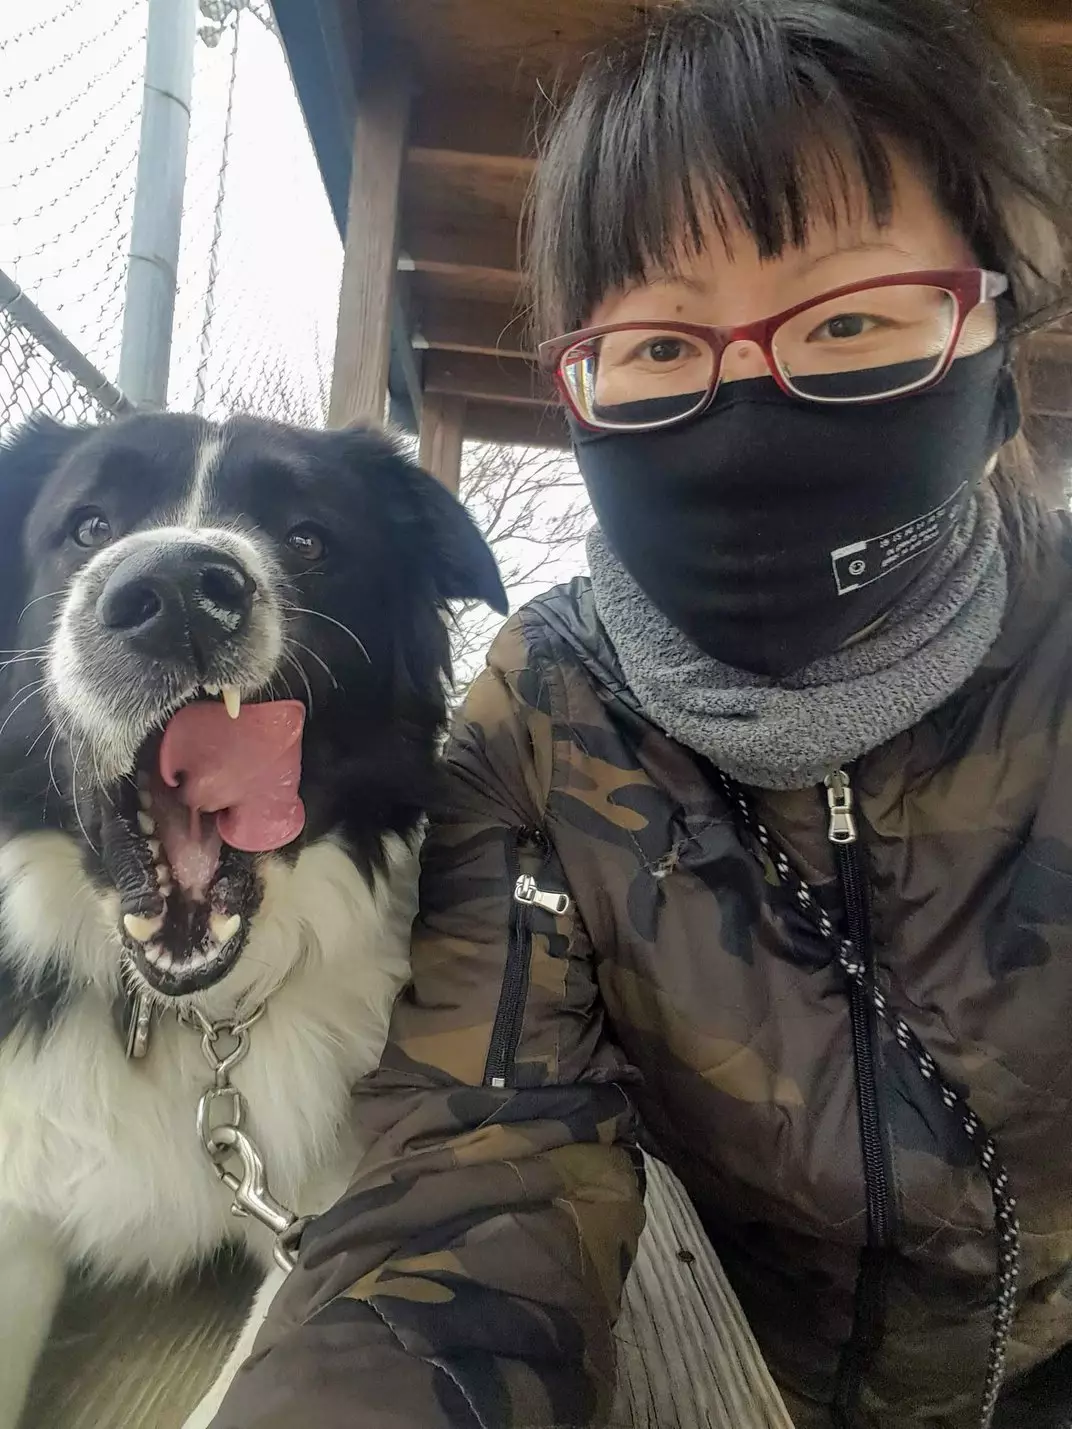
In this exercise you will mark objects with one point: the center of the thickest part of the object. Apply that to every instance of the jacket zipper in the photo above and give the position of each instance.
(510, 1014)
(870, 1289)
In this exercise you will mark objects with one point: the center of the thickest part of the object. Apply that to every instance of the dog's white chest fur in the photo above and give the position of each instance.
(105, 1150)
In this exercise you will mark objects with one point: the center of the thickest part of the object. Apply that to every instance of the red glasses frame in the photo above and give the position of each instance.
(970, 287)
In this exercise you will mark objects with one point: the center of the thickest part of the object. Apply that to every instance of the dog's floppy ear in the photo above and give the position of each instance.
(27, 458)
(430, 518)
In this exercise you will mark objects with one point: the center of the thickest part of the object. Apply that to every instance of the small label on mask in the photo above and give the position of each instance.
(867, 561)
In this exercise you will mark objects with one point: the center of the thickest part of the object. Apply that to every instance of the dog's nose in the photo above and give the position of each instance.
(177, 600)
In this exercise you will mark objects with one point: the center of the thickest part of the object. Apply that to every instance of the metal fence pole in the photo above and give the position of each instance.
(100, 395)
(149, 309)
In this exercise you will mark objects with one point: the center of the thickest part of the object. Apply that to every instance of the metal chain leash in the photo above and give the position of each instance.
(849, 961)
(221, 1129)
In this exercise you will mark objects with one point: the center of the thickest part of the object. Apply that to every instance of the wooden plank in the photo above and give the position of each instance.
(1052, 345)
(442, 428)
(516, 426)
(465, 325)
(502, 379)
(1043, 32)
(686, 1355)
(495, 122)
(1049, 389)
(492, 248)
(362, 346)
(473, 165)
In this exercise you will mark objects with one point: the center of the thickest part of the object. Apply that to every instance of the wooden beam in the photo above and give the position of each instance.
(473, 119)
(502, 379)
(1043, 32)
(461, 162)
(442, 426)
(1049, 390)
(366, 299)
(1051, 345)
(514, 426)
(493, 248)
(460, 325)
(463, 264)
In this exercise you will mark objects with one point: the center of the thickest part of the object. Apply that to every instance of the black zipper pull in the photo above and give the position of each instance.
(528, 893)
(842, 827)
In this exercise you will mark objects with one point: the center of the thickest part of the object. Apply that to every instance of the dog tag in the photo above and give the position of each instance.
(137, 1024)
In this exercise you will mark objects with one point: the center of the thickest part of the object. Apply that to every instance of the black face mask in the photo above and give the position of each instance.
(772, 530)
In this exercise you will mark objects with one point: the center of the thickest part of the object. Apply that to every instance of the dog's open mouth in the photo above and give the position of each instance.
(217, 787)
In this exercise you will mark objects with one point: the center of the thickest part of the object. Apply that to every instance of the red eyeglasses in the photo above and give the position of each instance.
(865, 342)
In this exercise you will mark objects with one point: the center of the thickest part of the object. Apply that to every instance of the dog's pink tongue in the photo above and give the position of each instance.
(245, 771)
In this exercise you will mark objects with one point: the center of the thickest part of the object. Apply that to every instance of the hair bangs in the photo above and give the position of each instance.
(768, 116)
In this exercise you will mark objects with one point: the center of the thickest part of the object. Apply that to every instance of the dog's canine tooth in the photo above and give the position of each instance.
(222, 928)
(142, 929)
(146, 823)
(232, 700)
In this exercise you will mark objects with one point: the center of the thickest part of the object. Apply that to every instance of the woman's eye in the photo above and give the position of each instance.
(92, 530)
(664, 349)
(307, 542)
(845, 325)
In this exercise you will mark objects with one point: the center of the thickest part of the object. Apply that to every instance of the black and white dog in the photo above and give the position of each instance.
(222, 687)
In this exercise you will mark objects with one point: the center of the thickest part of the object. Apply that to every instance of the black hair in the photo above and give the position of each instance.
(769, 109)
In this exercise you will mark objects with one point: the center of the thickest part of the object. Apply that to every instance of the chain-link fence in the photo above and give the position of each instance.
(41, 371)
(260, 258)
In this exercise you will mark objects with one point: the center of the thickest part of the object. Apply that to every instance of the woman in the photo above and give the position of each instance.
(759, 844)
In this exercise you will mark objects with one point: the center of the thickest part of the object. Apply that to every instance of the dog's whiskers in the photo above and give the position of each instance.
(50, 595)
(297, 645)
(33, 689)
(302, 610)
(292, 660)
(74, 781)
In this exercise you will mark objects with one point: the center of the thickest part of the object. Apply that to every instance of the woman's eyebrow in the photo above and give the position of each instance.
(809, 261)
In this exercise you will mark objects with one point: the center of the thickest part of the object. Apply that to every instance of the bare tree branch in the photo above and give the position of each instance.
(534, 513)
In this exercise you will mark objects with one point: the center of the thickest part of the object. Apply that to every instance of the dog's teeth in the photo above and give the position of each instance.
(146, 823)
(212, 690)
(163, 873)
(164, 961)
(222, 928)
(145, 799)
(232, 699)
(153, 953)
(142, 929)
(143, 779)
(156, 848)
(166, 889)
(196, 962)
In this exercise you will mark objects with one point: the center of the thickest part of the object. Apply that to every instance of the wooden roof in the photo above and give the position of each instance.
(479, 71)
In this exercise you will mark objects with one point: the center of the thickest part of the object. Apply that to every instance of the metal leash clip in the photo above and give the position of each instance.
(225, 1142)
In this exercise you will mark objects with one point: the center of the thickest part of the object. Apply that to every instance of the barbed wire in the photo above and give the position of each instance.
(20, 36)
(25, 81)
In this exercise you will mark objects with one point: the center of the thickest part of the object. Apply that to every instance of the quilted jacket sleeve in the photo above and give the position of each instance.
(471, 1276)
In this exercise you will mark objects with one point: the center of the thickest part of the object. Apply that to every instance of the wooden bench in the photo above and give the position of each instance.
(122, 1359)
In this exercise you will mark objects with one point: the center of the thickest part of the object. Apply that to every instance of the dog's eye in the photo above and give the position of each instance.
(91, 529)
(307, 542)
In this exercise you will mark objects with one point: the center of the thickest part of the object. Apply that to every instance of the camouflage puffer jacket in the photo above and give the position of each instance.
(602, 951)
